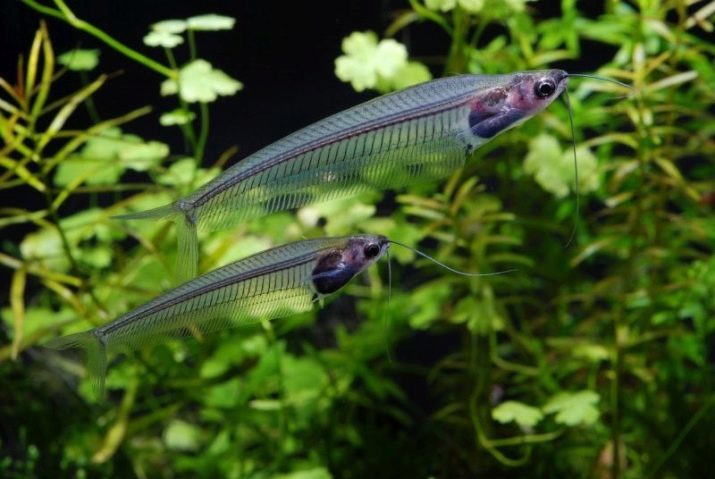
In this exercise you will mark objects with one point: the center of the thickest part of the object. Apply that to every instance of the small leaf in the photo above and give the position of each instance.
(170, 26)
(554, 169)
(79, 59)
(315, 473)
(182, 436)
(410, 74)
(513, 411)
(162, 39)
(573, 409)
(441, 5)
(176, 117)
(210, 22)
(472, 6)
(199, 81)
(367, 63)
(96, 172)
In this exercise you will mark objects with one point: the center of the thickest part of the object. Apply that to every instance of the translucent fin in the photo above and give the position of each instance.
(92, 342)
(187, 254)
(162, 212)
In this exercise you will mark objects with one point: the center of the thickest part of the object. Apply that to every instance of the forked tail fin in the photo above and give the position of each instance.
(96, 355)
(163, 212)
(187, 255)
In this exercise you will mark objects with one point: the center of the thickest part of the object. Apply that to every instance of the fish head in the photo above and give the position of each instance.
(336, 267)
(513, 99)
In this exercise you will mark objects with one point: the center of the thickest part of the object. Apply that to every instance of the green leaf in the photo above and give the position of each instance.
(573, 409)
(554, 169)
(514, 411)
(95, 172)
(182, 436)
(162, 38)
(199, 81)
(79, 59)
(316, 473)
(366, 61)
(472, 6)
(412, 73)
(342, 216)
(170, 26)
(104, 157)
(138, 155)
(210, 22)
(45, 246)
(176, 117)
(441, 5)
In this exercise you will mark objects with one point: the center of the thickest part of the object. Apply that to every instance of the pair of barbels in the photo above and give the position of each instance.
(423, 133)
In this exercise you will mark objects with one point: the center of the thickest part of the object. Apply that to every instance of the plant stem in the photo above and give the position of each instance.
(64, 13)
(187, 129)
(203, 133)
(89, 101)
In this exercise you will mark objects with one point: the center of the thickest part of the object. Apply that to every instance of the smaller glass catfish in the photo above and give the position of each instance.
(418, 134)
(274, 283)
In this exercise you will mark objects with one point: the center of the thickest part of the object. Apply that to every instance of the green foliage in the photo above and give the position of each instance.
(591, 360)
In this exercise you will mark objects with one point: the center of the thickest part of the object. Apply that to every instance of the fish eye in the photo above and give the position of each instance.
(544, 88)
(372, 250)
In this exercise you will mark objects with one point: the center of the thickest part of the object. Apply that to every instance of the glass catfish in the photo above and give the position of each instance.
(274, 283)
(418, 134)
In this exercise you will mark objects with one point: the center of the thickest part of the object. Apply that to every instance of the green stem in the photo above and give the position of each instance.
(456, 60)
(89, 101)
(435, 17)
(64, 13)
(203, 133)
(192, 44)
(187, 129)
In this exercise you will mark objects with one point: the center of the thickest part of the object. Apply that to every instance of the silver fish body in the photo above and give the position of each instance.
(419, 134)
(274, 283)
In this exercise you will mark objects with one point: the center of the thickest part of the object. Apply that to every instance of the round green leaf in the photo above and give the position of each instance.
(170, 26)
(162, 39)
(79, 59)
(518, 412)
(199, 81)
(210, 22)
(573, 409)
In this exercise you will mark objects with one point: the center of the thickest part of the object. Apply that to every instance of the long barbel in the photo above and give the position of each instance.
(418, 134)
(271, 284)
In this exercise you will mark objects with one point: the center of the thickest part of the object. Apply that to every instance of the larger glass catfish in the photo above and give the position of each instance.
(277, 282)
(418, 134)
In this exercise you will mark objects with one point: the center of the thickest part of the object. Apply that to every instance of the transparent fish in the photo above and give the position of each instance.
(419, 134)
(271, 284)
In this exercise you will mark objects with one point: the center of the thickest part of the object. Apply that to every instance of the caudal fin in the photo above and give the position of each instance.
(162, 212)
(96, 355)
(187, 255)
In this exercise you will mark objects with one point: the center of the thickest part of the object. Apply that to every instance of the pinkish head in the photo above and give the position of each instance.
(523, 95)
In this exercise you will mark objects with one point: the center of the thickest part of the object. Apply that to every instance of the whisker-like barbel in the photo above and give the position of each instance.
(419, 134)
